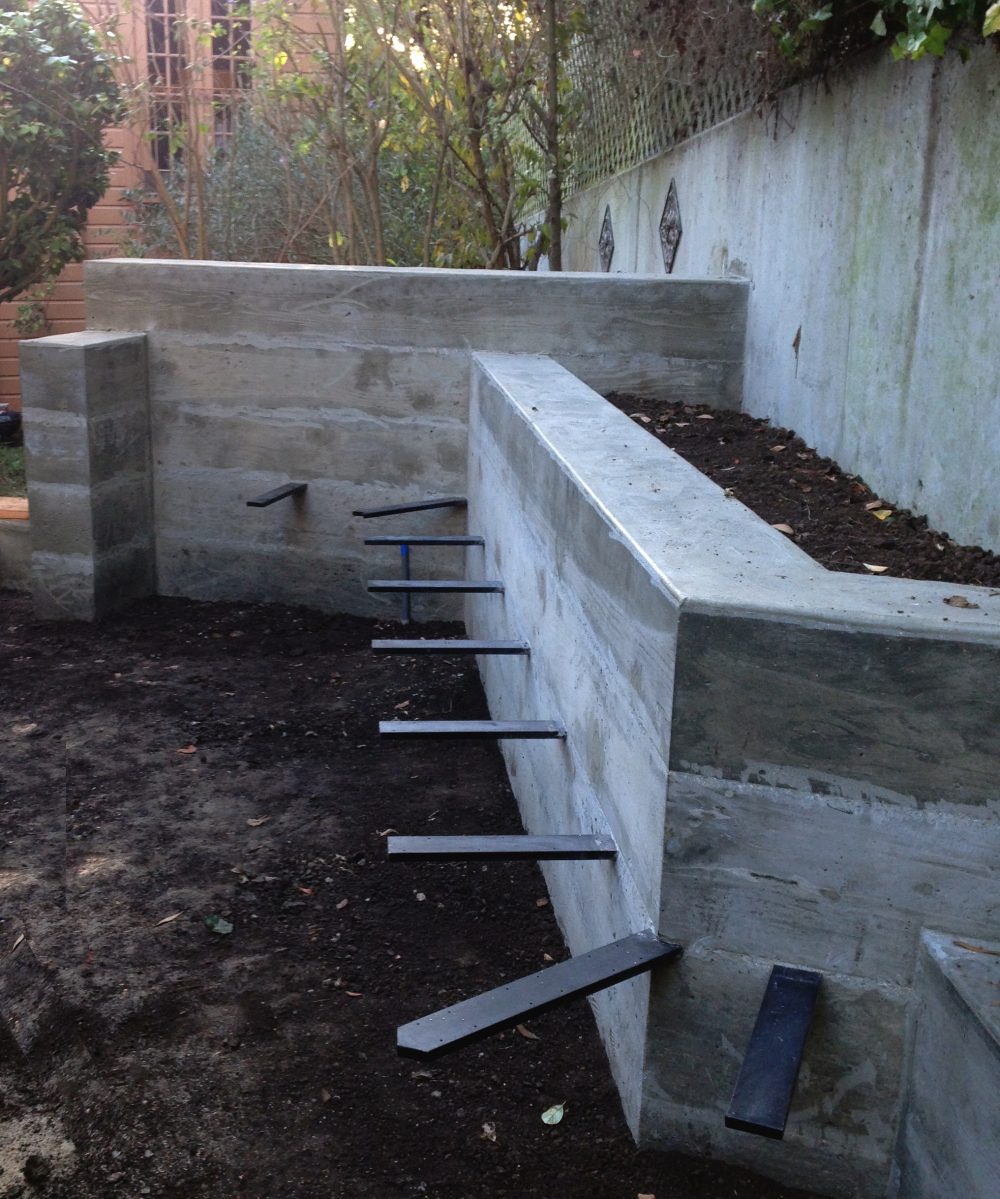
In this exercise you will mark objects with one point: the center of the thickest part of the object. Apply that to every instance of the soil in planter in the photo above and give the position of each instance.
(835, 517)
(216, 954)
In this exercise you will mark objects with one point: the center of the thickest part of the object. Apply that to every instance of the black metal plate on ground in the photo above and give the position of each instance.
(442, 501)
(421, 540)
(763, 1092)
(450, 645)
(279, 493)
(506, 848)
(508, 1005)
(439, 586)
(525, 730)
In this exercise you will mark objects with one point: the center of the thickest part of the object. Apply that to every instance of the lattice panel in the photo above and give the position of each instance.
(656, 72)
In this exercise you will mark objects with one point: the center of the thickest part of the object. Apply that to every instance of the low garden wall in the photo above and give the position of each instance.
(353, 380)
(798, 766)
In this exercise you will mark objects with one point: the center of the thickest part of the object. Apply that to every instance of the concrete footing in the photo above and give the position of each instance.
(15, 555)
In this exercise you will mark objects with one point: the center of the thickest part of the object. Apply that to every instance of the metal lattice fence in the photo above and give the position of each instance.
(653, 73)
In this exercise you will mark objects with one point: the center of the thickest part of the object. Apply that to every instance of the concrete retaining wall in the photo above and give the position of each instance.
(950, 1137)
(15, 555)
(866, 215)
(797, 766)
(355, 381)
(86, 432)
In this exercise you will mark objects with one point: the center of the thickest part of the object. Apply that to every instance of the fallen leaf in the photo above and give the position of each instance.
(552, 1115)
(541, 903)
(489, 1132)
(218, 924)
(400, 707)
(341, 905)
(994, 953)
(643, 1195)
(959, 601)
(257, 821)
(873, 505)
(681, 424)
(547, 957)
(169, 919)
(704, 416)
(386, 831)
(882, 513)
(875, 570)
(188, 749)
(526, 1032)
(783, 528)
(20, 938)
(776, 449)
(305, 890)
(22, 730)
(353, 994)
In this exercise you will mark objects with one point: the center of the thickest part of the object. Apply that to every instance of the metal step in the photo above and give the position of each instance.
(763, 1092)
(525, 730)
(279, 493)
(506, 848)
(442, 501)
(416, 539)
(508, 1005)
(450, 645)
(439, 586)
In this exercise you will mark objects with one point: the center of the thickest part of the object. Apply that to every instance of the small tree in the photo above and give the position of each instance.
(57, 95)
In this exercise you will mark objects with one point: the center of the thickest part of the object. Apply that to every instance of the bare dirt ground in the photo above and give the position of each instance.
(832, 515)
(204, 954)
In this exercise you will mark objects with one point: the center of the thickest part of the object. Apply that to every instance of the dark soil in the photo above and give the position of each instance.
(835, 517)
(186, 761)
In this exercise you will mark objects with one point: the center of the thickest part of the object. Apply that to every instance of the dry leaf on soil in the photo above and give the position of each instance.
(169, 919)
(875, 570)
(188, 749)
(783, 528)
(526, 1032)
(552, 1115)
(257, 821)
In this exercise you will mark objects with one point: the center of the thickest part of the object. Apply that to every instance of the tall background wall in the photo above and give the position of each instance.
(865, 210)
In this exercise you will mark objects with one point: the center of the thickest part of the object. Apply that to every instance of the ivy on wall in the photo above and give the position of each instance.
(915, 27)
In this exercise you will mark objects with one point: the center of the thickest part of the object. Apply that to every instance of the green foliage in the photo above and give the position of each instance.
(12, 477)
(915, 27)
(57, 94)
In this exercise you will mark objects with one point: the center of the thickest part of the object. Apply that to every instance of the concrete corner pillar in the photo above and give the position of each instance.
(85, 398)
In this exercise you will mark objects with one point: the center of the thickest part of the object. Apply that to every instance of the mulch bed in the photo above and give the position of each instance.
(188, 761)
(834, 516)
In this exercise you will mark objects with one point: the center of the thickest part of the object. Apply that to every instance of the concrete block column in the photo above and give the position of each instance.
(86, 425)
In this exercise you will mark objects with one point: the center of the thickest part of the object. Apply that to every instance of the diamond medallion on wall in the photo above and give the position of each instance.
(606, 242)
(670, 227)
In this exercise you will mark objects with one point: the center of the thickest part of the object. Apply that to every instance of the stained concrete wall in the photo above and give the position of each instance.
(355, 380)
(86, 432)
(866, 214)
(950, 1136)
(797, 766)
(15, 555)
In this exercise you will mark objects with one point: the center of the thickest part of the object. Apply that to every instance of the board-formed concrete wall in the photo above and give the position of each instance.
(949, 1141)
(355, 381)
(798, 766)
(865, 212)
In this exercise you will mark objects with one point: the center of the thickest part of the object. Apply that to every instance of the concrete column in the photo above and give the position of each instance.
(86, 426)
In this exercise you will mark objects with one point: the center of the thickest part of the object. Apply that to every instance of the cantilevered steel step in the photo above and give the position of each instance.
(279, 493)
(420, 539)
(450, 645)
(764, 1089)
(505, 1006)
(441, 501)
(438, 586)
(524, 730)
(507, 848)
